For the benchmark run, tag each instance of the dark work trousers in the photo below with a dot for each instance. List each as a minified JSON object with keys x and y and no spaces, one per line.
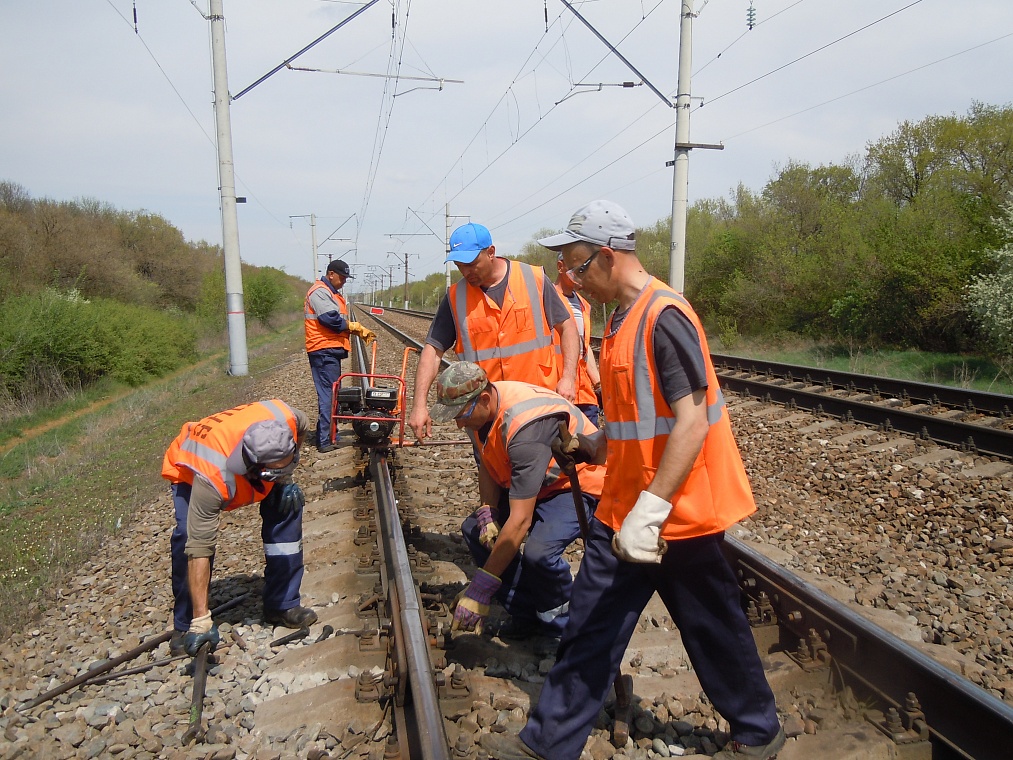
{"x":537,"y":582}
{"x":325,"y":365}
{"x":282,"y":536}
{"x":698,"y":588}
{"x":590,"y":411}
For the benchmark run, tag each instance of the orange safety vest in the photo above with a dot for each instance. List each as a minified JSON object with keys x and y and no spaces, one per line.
{"x":318,"y":336}
{"x":716,"y":493}
{"x":204,"y":446}
{"x":585,"y":388}
{"x":510,"y":343}
{"x":520,"y":404}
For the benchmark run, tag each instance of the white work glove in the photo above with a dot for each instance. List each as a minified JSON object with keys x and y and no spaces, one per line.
{"x":639,"y":537}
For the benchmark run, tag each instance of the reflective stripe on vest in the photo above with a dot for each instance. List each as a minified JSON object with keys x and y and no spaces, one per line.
{"x":649,"y":423}
{"x":523,"y":403}
{"x":715,"y":493}
{"x":524,"y":287}
{"x":585,"y":388}
{"x":206,"y":452}
{"x":318,"y":336}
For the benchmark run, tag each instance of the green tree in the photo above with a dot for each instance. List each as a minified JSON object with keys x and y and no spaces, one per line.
{"x":990,"y":298}
{"x":264,"y":293}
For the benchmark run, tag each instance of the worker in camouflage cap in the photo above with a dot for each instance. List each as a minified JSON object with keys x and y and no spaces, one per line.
{"x":460,"y":383}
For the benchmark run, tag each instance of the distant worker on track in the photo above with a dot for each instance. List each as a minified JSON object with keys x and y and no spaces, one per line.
{"x":675,"y":483}
{"x":227,"y":460}
{"x":500,"y":316}
{"x":327,"y":330}
{"x":588,"y":395}
{"x":524,"y":494}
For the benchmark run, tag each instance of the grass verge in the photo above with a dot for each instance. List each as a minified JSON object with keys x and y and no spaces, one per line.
{"x":64,"y":491}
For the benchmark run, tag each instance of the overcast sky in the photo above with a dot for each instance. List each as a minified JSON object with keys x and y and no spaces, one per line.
{"x":91,"y":109}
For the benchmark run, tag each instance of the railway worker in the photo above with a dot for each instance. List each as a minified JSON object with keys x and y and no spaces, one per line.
{"x":227,"y":460}
{"x":513,"y":426}
{"x":675,"y":482}
{"x":588,"y":380}
{"x":327,"y":329}
{"x":500,"y":316}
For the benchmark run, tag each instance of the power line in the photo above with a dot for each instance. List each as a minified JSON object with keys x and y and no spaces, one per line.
{"x":733,"y":42}
{"x":867,"y":87}
{"x":509,"y":90}
{"x":811,"y":53}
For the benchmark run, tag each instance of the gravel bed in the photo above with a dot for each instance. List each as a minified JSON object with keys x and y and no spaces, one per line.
{"x":925,"y":540}
{"x":901,"y":525}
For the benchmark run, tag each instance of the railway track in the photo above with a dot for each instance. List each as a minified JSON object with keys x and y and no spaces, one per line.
{"x":922,"y":707}
{"x":384,"y":561}
{"x":972,"y":421}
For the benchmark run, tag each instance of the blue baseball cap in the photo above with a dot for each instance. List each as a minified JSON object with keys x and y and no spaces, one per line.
{"x":467,"y":241}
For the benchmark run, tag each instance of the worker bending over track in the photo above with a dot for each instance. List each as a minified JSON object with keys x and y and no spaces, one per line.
{"x":513,"y":426}
{"x":675,"y":483}
{"x":228,"y":460}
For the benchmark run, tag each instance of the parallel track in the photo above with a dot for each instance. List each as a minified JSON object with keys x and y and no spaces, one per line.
{"x":957,"y":718}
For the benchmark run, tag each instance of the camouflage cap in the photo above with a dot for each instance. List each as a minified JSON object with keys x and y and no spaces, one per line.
{"x":264,"y":442}
{"x":458,"y":384}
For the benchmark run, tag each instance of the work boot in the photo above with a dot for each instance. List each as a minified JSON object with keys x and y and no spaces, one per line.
{"x":520,"y":629}
{"x":507,"y":747}
{"x":738,"y":751}
{"x":326,"y":448}
{"x":176,"y":644}
{"x":295,"y":617}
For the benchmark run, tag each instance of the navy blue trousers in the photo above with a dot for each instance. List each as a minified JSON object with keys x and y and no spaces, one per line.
{"x":537,"y":582}
{"x":698,"y":588}
{"x":282,"y":536}
{"x":326,"y":368}
{"x":590,"y":411}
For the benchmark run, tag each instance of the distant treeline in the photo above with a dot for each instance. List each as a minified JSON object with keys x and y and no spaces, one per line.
{"x":88,"y":292}
{"x":889,"y":248}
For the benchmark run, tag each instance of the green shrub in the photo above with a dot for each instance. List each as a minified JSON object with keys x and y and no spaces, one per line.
{"x":81,"y":341}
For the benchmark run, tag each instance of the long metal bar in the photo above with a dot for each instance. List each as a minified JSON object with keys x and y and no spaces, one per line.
{"x":997,"y":443}
{"x":321,"y":38}
{"x":432,"y":738}
{"x":931,"y":393}
{"x":148,"y":645}
{"x":967,"y":719}
{"x":195,"y":731}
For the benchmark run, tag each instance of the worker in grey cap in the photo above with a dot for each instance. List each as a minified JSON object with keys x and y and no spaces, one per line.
{"x":227,"y":460}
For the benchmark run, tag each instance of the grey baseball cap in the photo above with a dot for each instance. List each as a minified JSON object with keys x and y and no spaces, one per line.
{"x":263,"y":442}
{"x":599,"y":222}
{"x":457,"y":385}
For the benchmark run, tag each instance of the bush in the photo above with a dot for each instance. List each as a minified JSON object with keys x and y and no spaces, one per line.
{"x":82,"y":341}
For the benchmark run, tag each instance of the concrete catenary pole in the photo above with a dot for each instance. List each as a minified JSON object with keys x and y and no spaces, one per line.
{"x":447,"y":216}
{"x":238,"y":364}
{"x":680,"y":182}
{"x":313,"y":237}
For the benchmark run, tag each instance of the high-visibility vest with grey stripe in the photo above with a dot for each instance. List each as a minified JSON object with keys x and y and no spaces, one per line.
{"x":508,"y":342}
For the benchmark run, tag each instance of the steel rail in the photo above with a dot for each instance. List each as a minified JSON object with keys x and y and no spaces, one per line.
{"x":928,"y":393}
{"x":422,"y":728}
{"x":402,"y":336}
{"x":964,"y":720}
{"x":429,"y":734}
{"x":997,"y":443}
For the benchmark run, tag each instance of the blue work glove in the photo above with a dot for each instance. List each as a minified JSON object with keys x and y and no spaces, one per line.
{"x":488,"y":525}
{"x":202,"y":630}
{"x":471,"y":607}
{"x":286,"y":498}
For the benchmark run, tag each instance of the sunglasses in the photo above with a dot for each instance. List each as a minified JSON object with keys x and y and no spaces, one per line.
{"x":577,"y":273}
{"x":468,"y":410}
